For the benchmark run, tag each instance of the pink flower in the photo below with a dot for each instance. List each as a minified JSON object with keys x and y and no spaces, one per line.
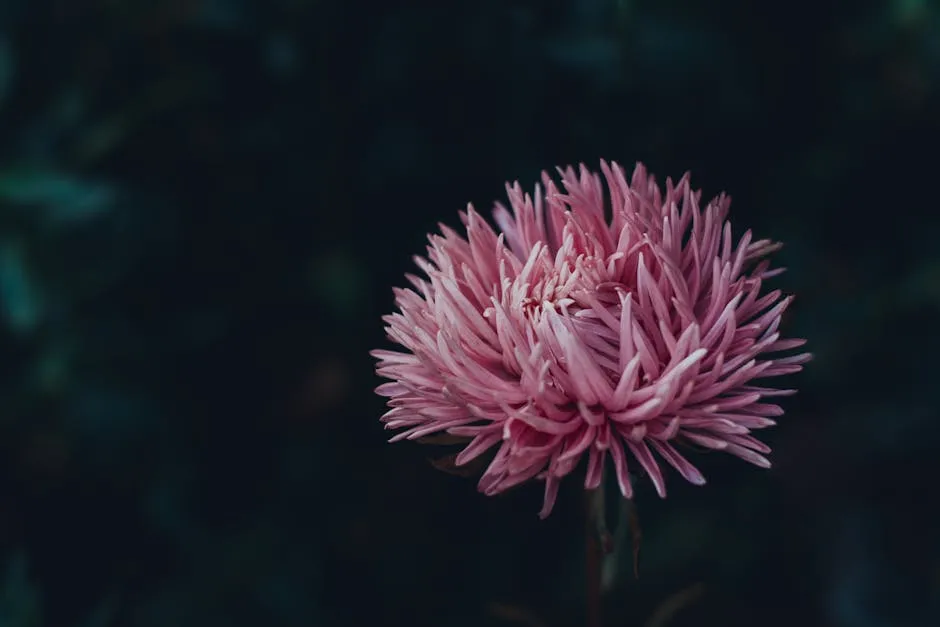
{"x":580,"y":332}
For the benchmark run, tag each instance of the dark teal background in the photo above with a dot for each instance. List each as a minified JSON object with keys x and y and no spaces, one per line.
{"x":204,"y":205}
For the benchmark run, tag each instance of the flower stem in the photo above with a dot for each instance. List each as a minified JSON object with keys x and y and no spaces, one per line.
{"x":599,"y":542}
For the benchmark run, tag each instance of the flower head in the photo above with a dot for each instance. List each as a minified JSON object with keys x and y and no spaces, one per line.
{"x":588,"y":328}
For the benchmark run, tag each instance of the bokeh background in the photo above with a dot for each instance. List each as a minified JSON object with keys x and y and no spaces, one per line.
{"x":204,"y":205}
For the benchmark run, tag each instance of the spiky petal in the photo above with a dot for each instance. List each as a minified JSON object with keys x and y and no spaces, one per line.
{"x":582,"y":332}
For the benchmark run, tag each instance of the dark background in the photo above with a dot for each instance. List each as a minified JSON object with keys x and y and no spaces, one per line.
{"x":204,"y":205}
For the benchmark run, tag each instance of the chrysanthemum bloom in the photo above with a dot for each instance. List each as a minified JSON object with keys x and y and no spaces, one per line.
{"x":588,"y":328}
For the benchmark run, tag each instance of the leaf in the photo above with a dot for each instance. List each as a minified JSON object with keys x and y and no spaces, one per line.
{"x":63,"y":199}
{"x":20,"y":296}
{"x":448,"y":464}
{"x":674,"y":603}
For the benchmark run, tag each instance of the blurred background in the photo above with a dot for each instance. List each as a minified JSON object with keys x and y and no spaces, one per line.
{"x":204,"y":205}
